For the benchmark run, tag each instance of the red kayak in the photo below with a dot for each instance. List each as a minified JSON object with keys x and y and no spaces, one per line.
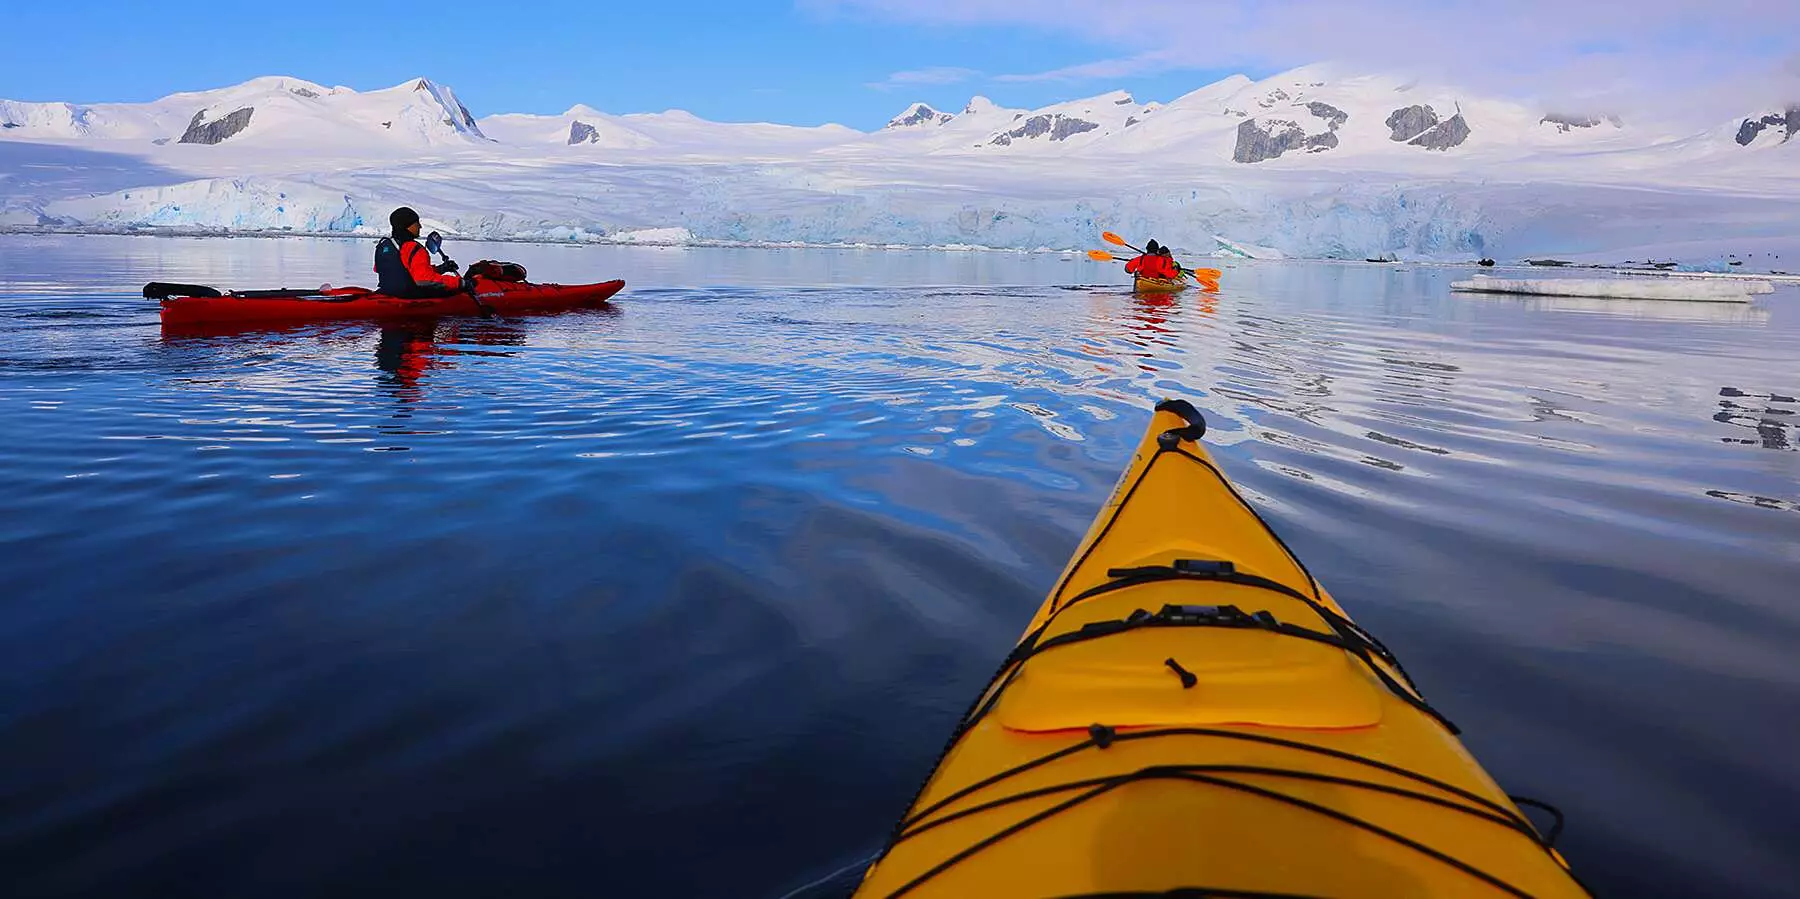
{"x":207,"y":306}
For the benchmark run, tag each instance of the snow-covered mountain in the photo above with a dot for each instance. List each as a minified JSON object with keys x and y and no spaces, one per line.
{"x":1311,"y":111}
{"x":919,"y":115}
{"x":267,"y":111}
{"x":672,"y":132}
{"x":1315,"y":161}
{"x":922,"y":129}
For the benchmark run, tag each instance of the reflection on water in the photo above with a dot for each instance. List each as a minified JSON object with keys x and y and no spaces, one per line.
{"x":680,"y":596}
{"x":408,"y":350}
{"x":1771,"y":416}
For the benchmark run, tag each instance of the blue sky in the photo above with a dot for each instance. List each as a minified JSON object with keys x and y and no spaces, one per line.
{"x":860,"y":61}
{"x":736,"y":60}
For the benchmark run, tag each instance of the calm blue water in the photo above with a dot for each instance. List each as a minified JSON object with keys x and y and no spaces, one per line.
{"x":681,"y":598}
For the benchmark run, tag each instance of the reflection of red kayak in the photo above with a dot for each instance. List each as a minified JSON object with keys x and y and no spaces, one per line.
{"x":503,"y":297}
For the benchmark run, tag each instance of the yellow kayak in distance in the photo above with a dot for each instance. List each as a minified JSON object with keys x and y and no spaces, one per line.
{"x":1159,"y":285}
{"x":1190,"y":713}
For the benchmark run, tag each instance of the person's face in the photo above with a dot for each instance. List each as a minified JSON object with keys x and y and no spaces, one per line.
{"x":413,"y":229}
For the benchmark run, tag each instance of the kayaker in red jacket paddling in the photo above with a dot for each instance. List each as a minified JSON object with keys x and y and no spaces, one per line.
{"x":403,"y":264}
{"x":1155,"y":263}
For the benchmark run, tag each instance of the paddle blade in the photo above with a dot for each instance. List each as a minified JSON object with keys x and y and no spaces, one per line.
{"x":434,"y":243}
{"x":1113,"y":239}
{"x":1102,"y":256}
{"x":1205,"y":274}
{"x":157,"y":290}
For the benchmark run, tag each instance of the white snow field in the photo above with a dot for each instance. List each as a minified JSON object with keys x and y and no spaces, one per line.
{"x":1315,"y":162}
{"x":1732,"y":290}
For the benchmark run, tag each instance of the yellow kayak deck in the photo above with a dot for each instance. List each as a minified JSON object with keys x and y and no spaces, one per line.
{"x":1159,"y":285}
{"x":1190,"y":710}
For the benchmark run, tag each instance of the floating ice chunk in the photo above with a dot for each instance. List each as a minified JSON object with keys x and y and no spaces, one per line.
{"x":1246,"y":251}
{"x":1721,"y":291}
{"x":655,"y":236}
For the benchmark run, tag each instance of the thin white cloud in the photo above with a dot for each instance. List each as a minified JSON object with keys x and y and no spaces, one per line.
{"x":1656,"y":57}
{"x":1122,"y":67}
{"x":935,"y":75}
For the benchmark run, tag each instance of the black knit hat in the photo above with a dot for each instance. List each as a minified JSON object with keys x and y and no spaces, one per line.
{"x":402,"y":218}
{"x":1150,"y":248}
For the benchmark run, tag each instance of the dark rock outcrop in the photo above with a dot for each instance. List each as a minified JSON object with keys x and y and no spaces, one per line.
{"x":1331,"y":114}
{"x":1265,"y":140}
{"x":201,"y":131}
{"x":1419,"y":126}
{"x":1446,"y":135}
{"x":1753,"y":128}
{"x":1788,"y":119}
{"x":306,"y":92}
{"x":1410,"y":122}
{"x":582,"y":133}
{"x":1257,"y":143}
{"x":1564,"y":123}
{"x":1057,"y":127}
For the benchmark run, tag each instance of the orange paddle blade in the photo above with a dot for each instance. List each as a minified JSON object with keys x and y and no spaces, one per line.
{"x":1102,"y":256}
{"x":1205,"y":274}
{"x":1113,"y":239}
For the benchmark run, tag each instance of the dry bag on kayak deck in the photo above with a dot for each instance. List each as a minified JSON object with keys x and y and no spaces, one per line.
{"x":498,"y":271}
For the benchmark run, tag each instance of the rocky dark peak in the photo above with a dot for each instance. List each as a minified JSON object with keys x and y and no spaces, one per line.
{"x":919,"y":114}
{"x":582,"y":133}
{"x":306,"y":92}
{"x":1057,"y":126}
{"x":1259,"y":141}
{"x":1331,"y":114}
{"x":1409,"y":122}
{"x":1788,"y":120}
{"x":201,"y":131}
{"x":1419,"y":126}
{"x":1265,"y":139}
{"x":1450,"y":133}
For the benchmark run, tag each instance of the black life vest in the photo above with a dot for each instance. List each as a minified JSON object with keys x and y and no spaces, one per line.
{"x":393,"y":277}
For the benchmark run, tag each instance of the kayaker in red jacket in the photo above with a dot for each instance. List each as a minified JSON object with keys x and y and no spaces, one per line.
{"x":403,"y":264}
{"x":1155,"y":263}
{"x":1174,"y":268}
